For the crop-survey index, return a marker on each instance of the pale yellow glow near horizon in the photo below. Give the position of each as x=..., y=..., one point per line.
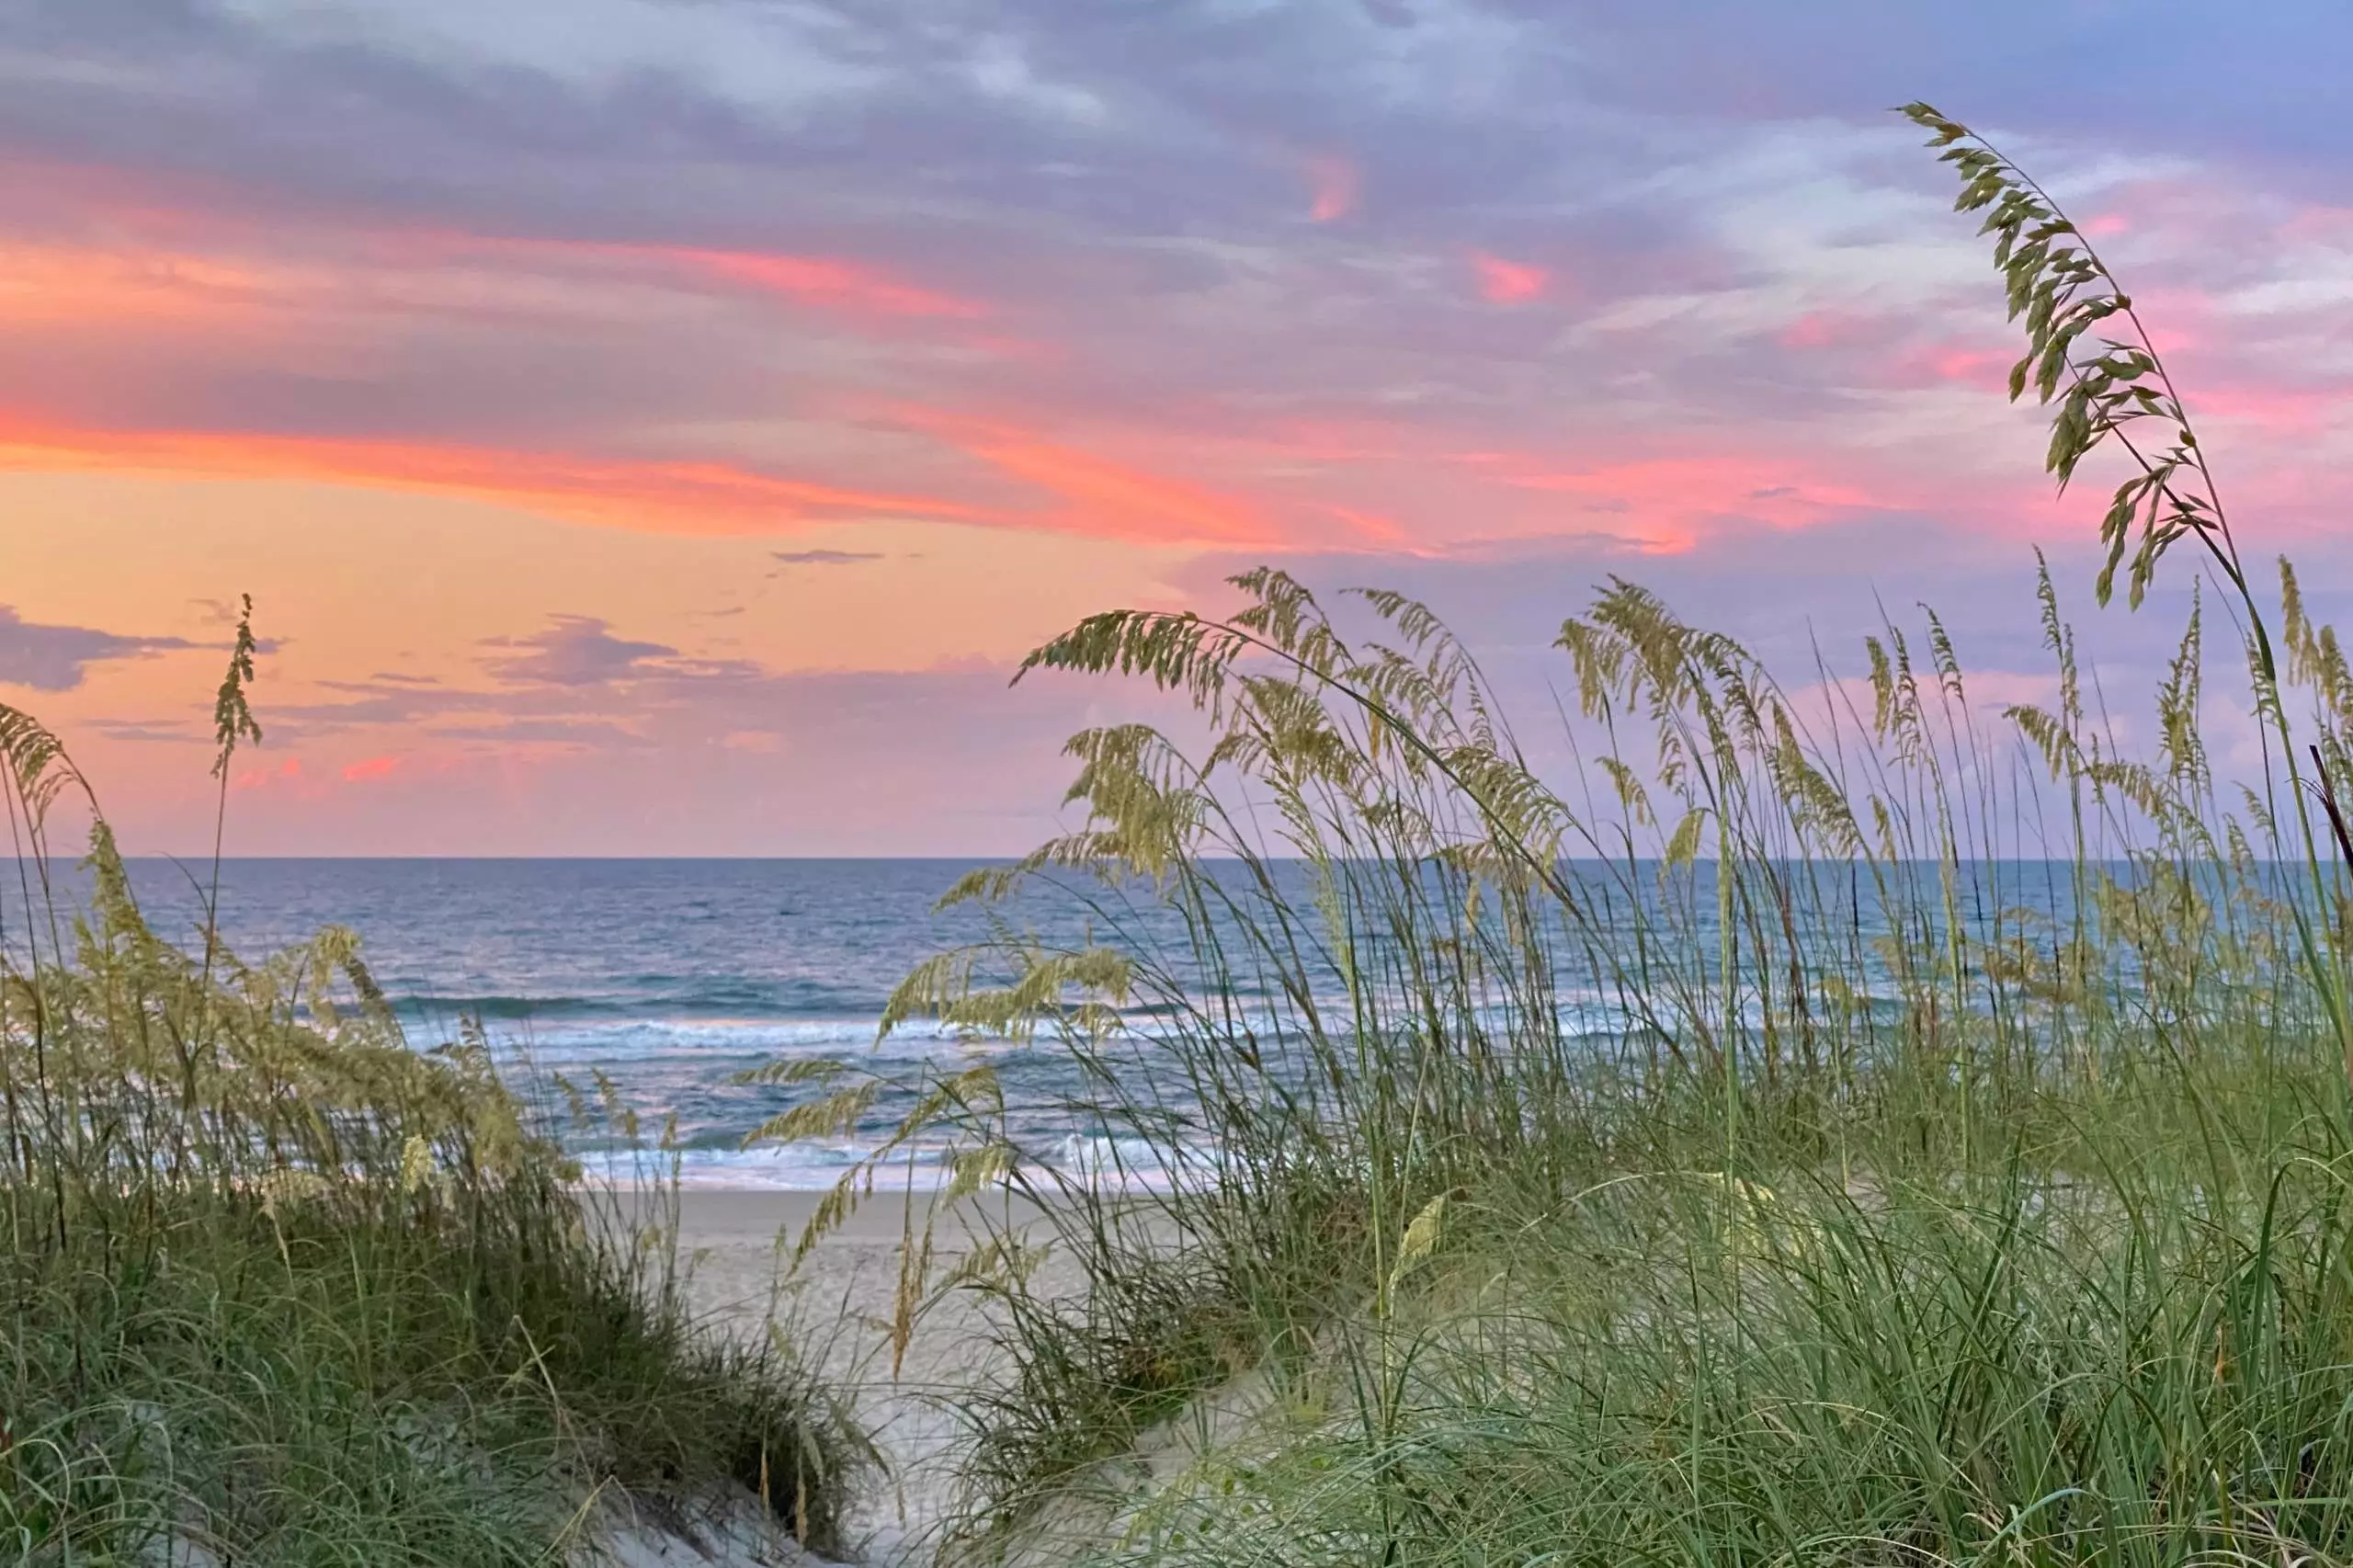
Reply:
x=354, y=580
x=350, y=582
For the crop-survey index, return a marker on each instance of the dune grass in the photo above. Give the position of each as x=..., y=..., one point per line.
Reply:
x=1838, y=1124
x=1828, y=1123
x=277, y=1286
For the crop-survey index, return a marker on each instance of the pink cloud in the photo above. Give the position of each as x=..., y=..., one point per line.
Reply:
x=1336, y=184
x=819, y=280
x=94, y=288
x=1503, y=282
x=287, y=772
x=370, y=768
x=2276, y=410
x=1106, y=499
x=2319, y=224
x=1833, y=329
x=1373, y=526
x=1967, y=364
x=1668, y=496
x=2179, y=320
x=844, y=285
x=703, y=498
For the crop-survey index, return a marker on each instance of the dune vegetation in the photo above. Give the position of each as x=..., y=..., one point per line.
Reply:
x=1844, y=1124
x=1833, y=1122
x=283, y=1287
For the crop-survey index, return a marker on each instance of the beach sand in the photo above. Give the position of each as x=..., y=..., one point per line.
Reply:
x=838, y=1307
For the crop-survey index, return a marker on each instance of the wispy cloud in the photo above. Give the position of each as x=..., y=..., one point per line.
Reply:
x=170, y=731
x=826, y=557
x=854, y=289
x=680, y=497
x=824, y=281
x=1102, y=495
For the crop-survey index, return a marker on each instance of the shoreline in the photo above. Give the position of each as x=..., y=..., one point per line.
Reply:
x=738, y=1216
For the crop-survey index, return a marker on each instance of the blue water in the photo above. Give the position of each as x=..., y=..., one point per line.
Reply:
x=670, y=976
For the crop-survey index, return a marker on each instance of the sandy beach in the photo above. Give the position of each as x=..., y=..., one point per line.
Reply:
x=838, y=1305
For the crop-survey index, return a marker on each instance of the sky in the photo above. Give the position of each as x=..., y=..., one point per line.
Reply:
x=660, y=427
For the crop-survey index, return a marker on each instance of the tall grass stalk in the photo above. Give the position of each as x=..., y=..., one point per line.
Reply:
x=1828, y=1123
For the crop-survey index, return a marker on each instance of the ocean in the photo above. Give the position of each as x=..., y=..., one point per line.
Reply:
x=668, y=976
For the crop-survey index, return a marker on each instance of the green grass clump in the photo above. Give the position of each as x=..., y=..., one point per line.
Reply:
x=276, y=1286
x=334, y=1385
x=1831, y=1123
x=2017, y=1370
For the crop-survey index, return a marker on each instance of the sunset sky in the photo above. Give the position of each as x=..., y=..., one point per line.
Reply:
x=658, y=426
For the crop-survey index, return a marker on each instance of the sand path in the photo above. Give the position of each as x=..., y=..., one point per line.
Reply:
x=837, y=1306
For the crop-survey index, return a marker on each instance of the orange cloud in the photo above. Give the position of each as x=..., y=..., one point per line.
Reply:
x=685, y=498
x=369, y=768
x=851, y=288
x=56, y=285
x=1108, y=498
x=1104, y=499
x=165, y=258
x=1335, y=182
x=1503, y=282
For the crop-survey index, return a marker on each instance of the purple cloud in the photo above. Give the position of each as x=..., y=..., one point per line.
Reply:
x=578, y=650
x=57, y=658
